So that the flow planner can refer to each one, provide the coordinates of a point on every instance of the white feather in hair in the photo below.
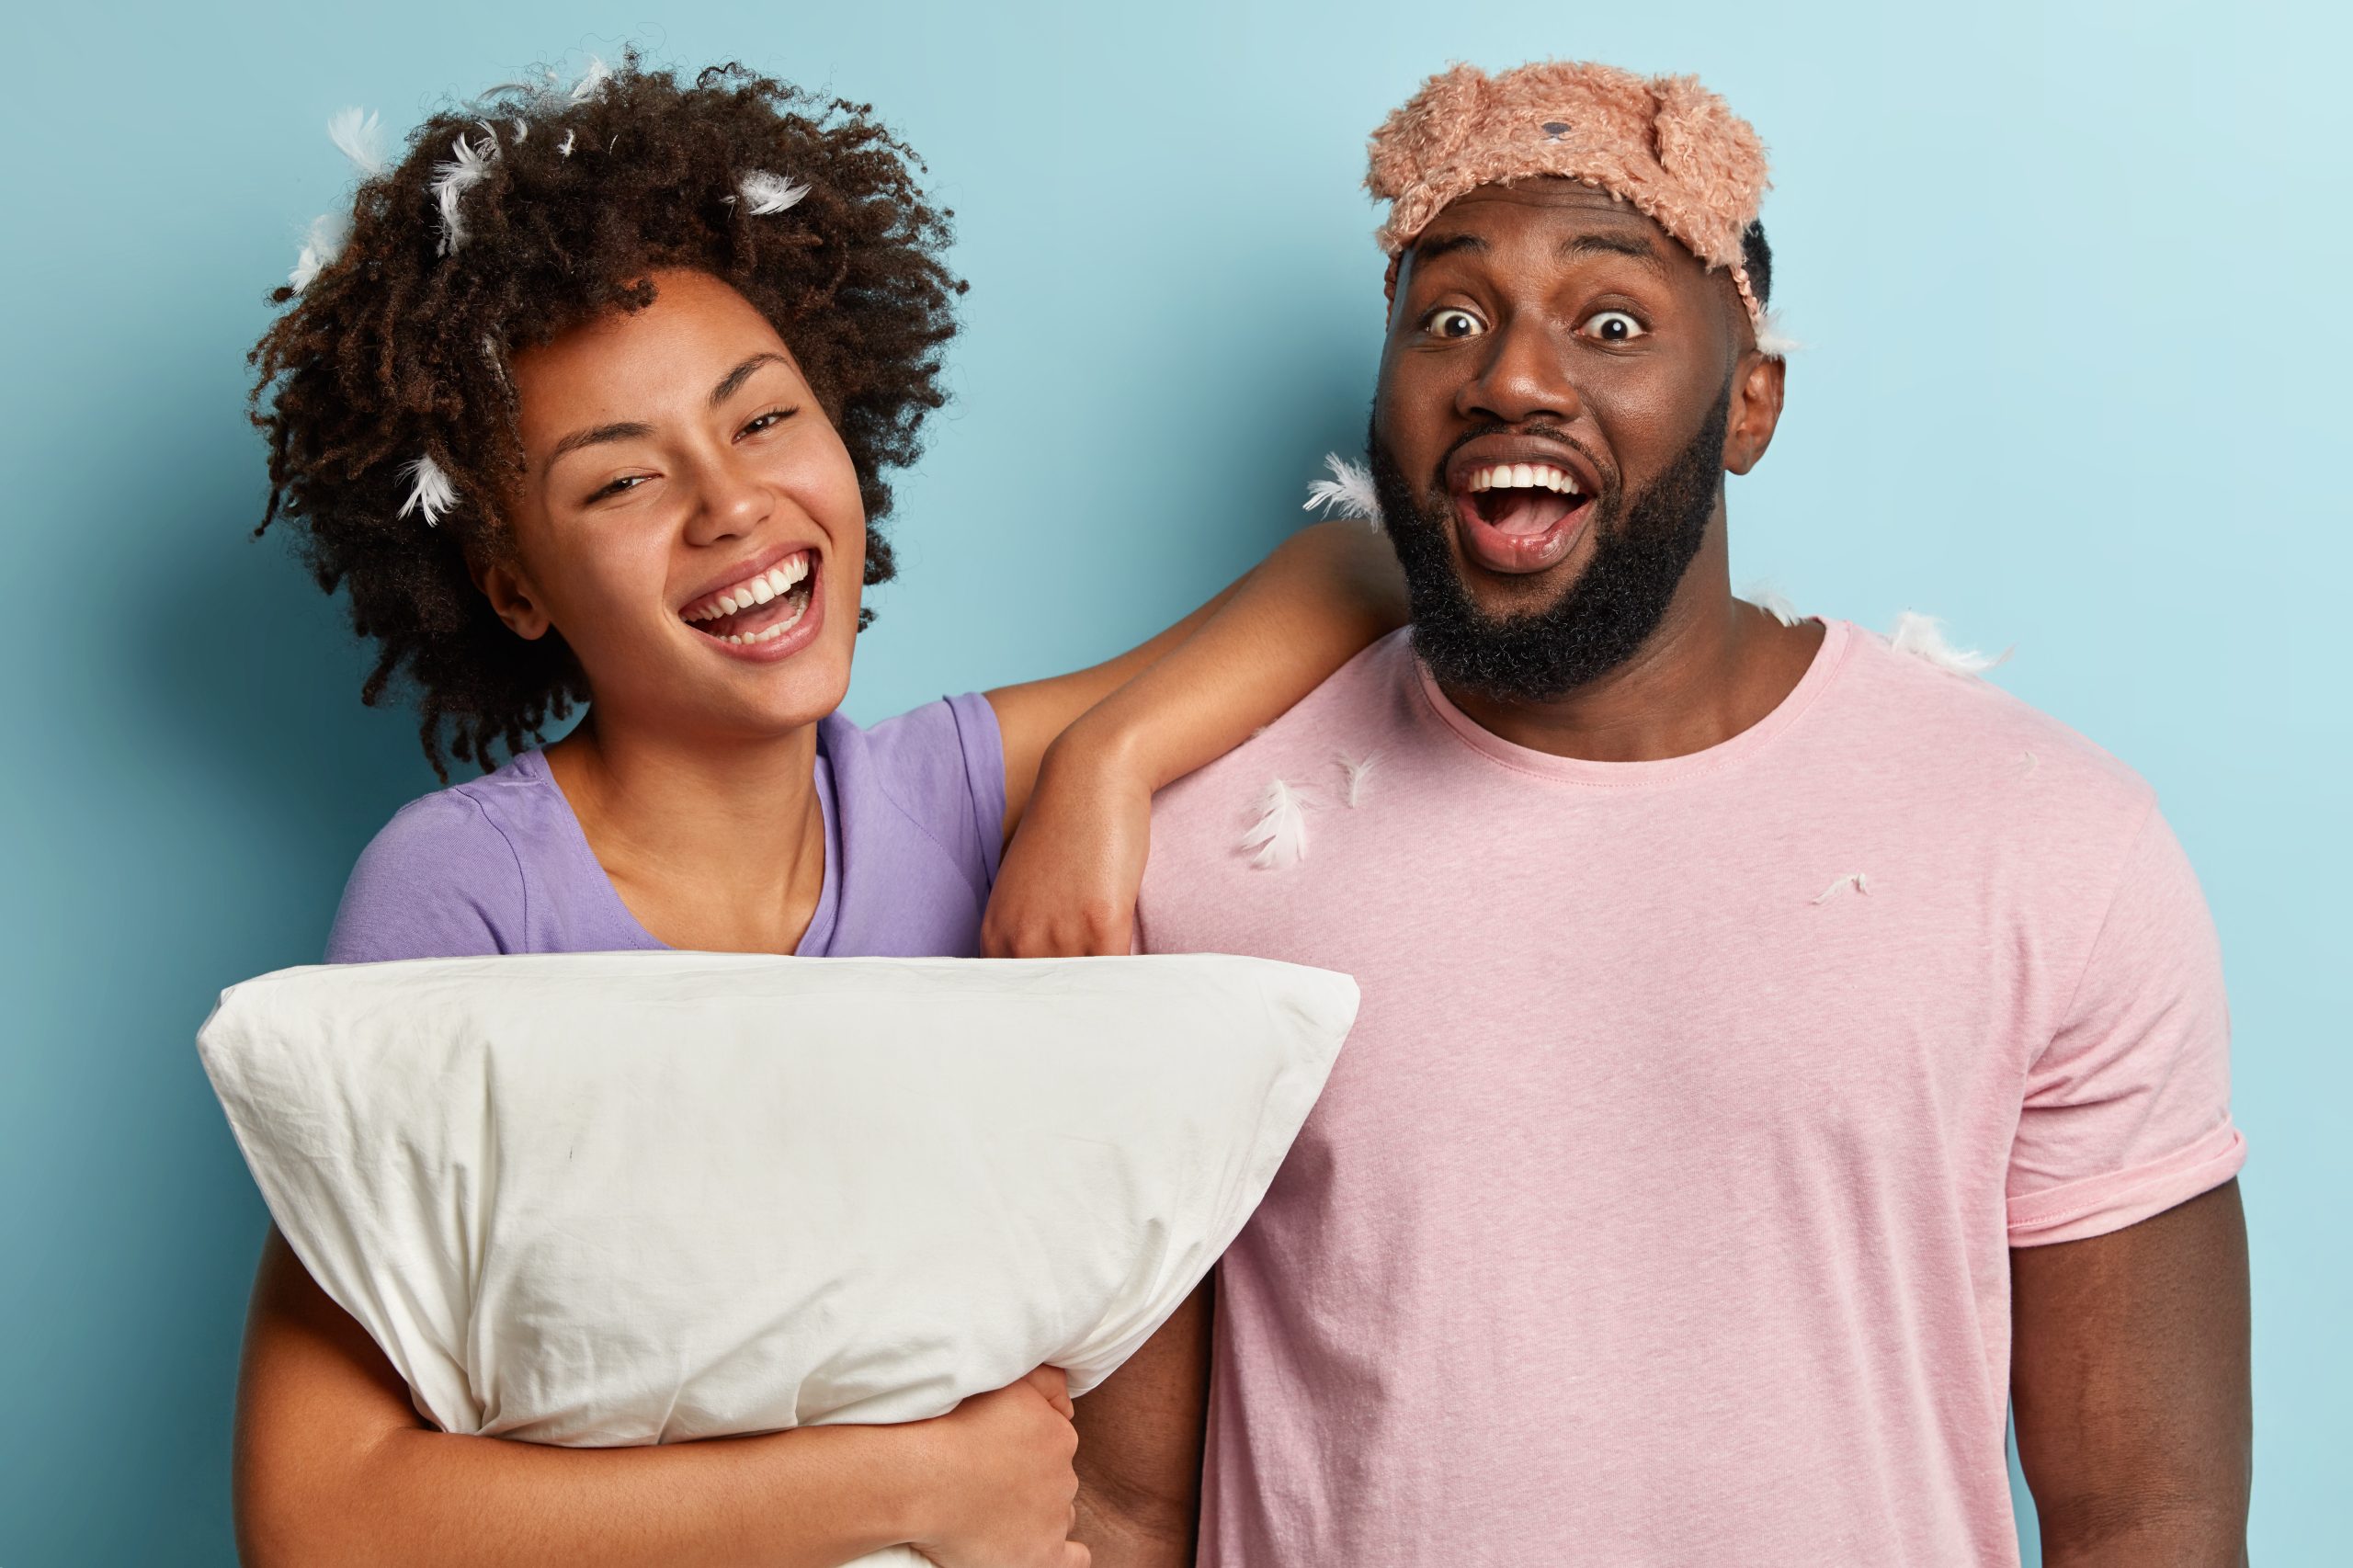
(765, 193)
(592, 81)
(329, 234)
(1355, 770)
(1772, 341)
(1347, 493)
(1279, 833)
(1922, 637)
(430, 491)
(564, 148)
(468, 167)
(359, 136)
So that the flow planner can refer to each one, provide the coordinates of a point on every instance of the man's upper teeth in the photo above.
(1525, 476)
(777, 579)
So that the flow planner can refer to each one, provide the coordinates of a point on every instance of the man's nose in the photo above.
(1524, 376)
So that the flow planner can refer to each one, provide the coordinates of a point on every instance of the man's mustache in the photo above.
(1611, 487)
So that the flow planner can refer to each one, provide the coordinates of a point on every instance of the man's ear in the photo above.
(511, 597)
(1389, 289)
(1755, 410)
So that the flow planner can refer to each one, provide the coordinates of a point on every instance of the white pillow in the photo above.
(613, 1199)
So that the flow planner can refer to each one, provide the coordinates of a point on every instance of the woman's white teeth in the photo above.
(767, 633)
(1525, 476)
(759, 590)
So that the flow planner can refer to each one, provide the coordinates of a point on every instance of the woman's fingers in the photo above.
(1054, 1384)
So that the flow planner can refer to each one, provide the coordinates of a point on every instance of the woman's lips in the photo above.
(777, 629)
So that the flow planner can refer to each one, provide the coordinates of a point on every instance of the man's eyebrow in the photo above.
(626, 431)
(1427, 249)
(732, 382)
(1636, 245)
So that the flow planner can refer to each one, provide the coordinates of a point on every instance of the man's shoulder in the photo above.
(1912, 704)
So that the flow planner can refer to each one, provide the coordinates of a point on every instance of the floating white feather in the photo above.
(1348, 492)
(329, 234)
(1772, 341)
(430, 491)
(1773, 602)
(765, 193)
(468, 167)
(1860, 881)
(1355, 770)
(1922, 637)
(359, 136)
(1279, 836)
(592, 81)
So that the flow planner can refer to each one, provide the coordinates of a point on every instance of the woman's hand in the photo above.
(1001, 1491)
(1067, 888)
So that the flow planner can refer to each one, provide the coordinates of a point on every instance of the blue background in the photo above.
(2073, 280)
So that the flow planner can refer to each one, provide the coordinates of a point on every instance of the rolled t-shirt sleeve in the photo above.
(439, 881)
(2127, 1110)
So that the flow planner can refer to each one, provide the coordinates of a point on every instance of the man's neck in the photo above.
(1714, 666)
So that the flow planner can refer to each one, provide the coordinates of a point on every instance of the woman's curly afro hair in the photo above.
(394, 351)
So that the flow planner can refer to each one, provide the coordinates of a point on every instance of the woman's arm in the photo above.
(332, 1466)
(1197, 689)
(1084, 752)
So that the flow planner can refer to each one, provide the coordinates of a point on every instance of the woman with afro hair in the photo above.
(593, 399)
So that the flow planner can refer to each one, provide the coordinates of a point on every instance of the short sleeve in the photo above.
(439, 881)
(944, 765)
(2127, 1110)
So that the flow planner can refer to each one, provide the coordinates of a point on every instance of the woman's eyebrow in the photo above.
(732, 382)
(628, 430)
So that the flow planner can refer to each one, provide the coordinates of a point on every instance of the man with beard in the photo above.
(1781, 1054)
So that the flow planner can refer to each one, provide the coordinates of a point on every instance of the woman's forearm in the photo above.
(802, 1499)
(333, 1467)
(1327, 593)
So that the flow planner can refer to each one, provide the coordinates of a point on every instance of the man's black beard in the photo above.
(1641, 550)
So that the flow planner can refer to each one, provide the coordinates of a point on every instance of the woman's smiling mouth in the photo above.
(769, 612)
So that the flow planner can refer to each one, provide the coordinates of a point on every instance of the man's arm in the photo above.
(1140, 1440)
(2130, 1389)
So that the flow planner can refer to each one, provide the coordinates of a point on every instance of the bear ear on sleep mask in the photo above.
(615, 1199)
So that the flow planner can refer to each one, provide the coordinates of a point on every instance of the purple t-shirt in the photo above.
(914, 814)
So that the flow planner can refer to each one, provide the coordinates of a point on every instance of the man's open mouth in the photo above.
(762, 607)
(1523, 500)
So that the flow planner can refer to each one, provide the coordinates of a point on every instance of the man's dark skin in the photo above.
(1518, 307)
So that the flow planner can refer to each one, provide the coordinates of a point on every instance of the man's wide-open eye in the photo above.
(1613, 326)
(1452, 322)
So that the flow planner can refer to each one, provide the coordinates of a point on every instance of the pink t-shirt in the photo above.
(1658, 1211)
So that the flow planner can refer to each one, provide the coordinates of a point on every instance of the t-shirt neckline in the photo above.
(1837, 637)
(815, 942)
